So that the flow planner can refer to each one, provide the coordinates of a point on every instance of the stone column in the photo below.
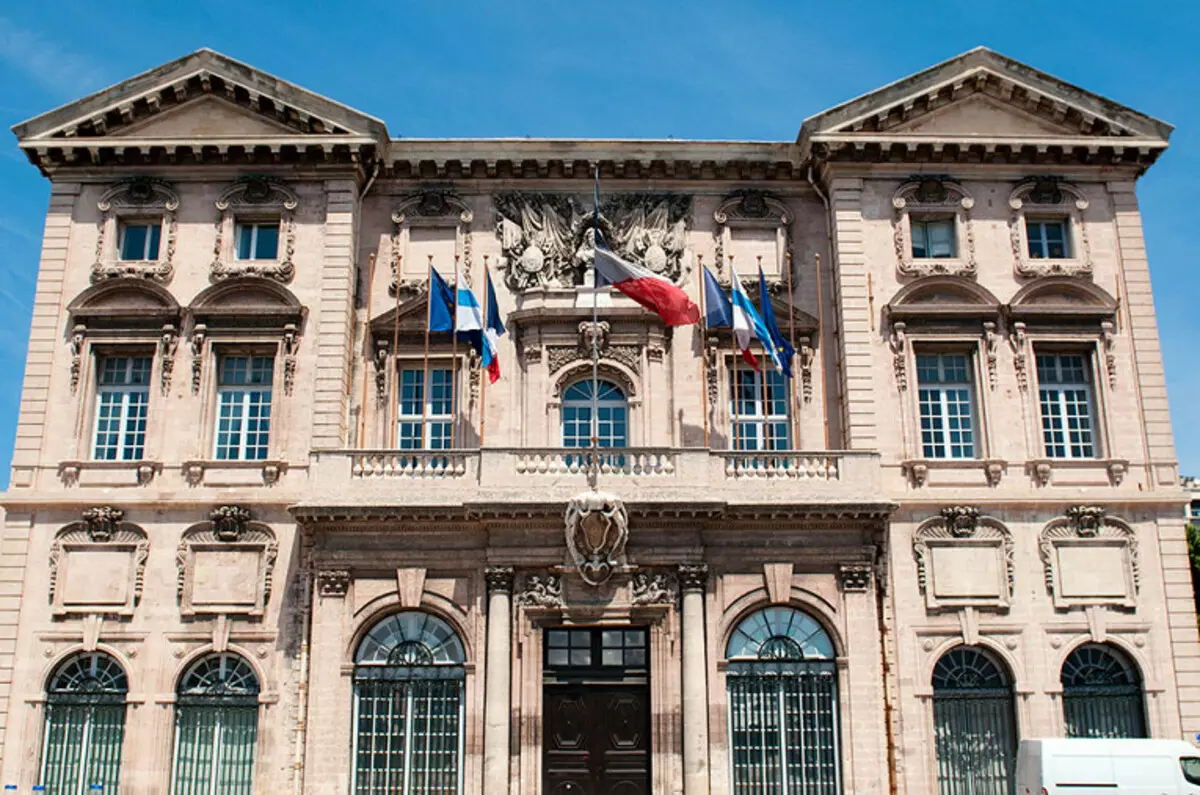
(497, 681)
(692, 581)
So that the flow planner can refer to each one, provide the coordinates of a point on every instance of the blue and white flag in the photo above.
(748, 325)
(469, 327)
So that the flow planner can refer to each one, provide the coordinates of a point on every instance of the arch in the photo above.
(1058, 296)
(219, 674)
(943, 297)
(816, 606)
(88, 672)
(247, 300)
(1102, 693)
(125, 302)
(779, 632)
(216, 725)
(385, 605)
(974, 721)
(84, 722)
(620, 374)
(410, 638)
(965, 667)
(194, 657)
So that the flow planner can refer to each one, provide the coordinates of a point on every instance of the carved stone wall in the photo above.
(98, 565)
(225, 565)
(252, 199)
(964, 559)
(1090, 559)
(144, 200)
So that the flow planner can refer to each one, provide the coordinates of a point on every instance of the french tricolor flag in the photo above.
(470, 328)
(652, 291)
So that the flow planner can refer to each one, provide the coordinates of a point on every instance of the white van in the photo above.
(1105, 767)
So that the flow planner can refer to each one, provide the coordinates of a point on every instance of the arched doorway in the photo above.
(1102, 694)
(85, 725)
(216, 727)
(974, 727)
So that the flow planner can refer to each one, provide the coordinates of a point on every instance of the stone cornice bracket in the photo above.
(102, 522)
(541, 590)
(855, 577)
(807, 356)
(933, 195)
(429, 208)
(1019, 342)
(380, 360)
(333, 583)
(136, 197)
(1053, 196)
(499, 578)
(1108, 340)
(693, 576)
(290, 343)
(168, 344)
(898, 342)
(990, 344)
(255, 195)
(78, 335)
(199, 335)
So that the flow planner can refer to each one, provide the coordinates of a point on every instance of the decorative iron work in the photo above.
(974, 728)
(85, 724)
(1102, 694)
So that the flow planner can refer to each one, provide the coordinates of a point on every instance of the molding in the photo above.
(1088, 526)
(101, 530)
(255, 195)
(964, 527)
(541, 590)
(693, 576)
(653, 588)
(333, 582)
(136, 198)
(228, 532)
(428, 208)
(1055, 197)
(927, 196)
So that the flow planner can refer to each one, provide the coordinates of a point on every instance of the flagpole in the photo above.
(733, 328)
(821, 332)
(362, 403)
(596, 324)
(425, 357)
(793, 401)
(483, 382)
(703, 345)
(395, 419)
(454, 361)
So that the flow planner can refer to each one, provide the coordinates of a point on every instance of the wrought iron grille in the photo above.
(1102, 694)
(216, 727)
(974, 731)
(85, 726)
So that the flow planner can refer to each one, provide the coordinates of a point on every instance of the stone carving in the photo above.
(959, 536)
(255, 194)
(1117, 470)
(993, 470)
(693, 576)
(199, 334)
(77, 336)
(1108, 339)
(1020, 360)
(855, 577)
(990, 339)
(109, 583)
(542, 590)
(290, 343)
(1050, 195)
(499, 578)
(381, 371)
(593, 334)
(560, 356)
(333, 582)
(226, 565)
(1089, 558)
(898, 342)
(167, 346)
(424, 208)
(547, 239)
(938, 196)
(102, 522)
(137, 197)
(229, 522)
(653, 588)
(807, 357)
(752, 209)
(597, 528)
(917, 471)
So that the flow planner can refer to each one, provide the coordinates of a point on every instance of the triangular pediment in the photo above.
(171, 102)
(982, 93)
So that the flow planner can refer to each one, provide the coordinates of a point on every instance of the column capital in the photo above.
(855, 577)
(499, 578)
(333, 582)
(693, 576)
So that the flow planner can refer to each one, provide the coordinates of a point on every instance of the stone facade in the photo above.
(897, 553)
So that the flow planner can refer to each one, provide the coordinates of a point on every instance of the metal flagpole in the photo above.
(793, 400)
(396, 359)
(820, 332)
(483, 379)
(736, 414)
(425, 358)
(703, 324)
(454, 361)
(362, 403)
(596, 326)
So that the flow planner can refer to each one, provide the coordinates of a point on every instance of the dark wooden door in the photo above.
(597, 740)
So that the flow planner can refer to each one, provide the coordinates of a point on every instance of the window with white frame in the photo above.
(426, 416)
(932, 238)
(257, 240)
(1047, 238)
(139, 240)
(611, 424)
(760, 409)
(244, 407)
(945, 398)
(122, 400)
(1065, 400)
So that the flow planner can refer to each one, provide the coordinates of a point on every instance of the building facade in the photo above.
(246, 550)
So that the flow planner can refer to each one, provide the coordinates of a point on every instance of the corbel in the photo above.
(1020, 362)
(290, 343)
(199, 334)
(990, 339)
(1108, 338)
(78, 334)
(168, 344)
(381, 361)
(898, 341)
(807, 356)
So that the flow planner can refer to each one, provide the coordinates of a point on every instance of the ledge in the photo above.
(234, 474)
(108, 474)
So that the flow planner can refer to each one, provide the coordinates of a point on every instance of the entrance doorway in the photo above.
(596, 720)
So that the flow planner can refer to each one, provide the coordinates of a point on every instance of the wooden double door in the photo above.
(596, 739)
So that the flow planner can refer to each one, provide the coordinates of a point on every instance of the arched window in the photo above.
(408, 707)
(216, 727)
(783, 705)
(1102, 694)
(85, 725)
(611, 424)
(974, 730)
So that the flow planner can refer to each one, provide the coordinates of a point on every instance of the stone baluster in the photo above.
(497, 681)
(692, 582)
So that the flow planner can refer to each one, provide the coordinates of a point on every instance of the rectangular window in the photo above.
(761, 419)
(933, 239)
(945, 398)
(1065, 400)
(426, 420)
(258, 240)
(122, 398)
(244, 407)
(139, 241)
(1047, 239)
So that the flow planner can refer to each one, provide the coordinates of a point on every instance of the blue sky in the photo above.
(614, 69)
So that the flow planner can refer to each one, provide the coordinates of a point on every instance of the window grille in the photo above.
(122, 401)
(1102, 694)
(244, 407)
(945, 399)
(84, 726)
(216, 727)
(1065, 400)
(974, 728)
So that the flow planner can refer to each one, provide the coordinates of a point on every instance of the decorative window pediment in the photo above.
(964, 559)
(153, 204)
(1049, 199)
(428, 211)
(754, 222)
(249, 200)
(1062, 299)
(932, 199)
(225, 565)
(1090, 559)
(98, 565)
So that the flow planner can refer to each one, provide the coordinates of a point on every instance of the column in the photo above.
(497, 703)
(692, 581)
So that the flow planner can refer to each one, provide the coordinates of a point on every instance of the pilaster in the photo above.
(335, 316)
(327, 754)
(498, 682)
(693, 580)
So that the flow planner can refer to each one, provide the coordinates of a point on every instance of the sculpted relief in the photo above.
(547, 238)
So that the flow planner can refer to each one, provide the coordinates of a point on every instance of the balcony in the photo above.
(537, 476)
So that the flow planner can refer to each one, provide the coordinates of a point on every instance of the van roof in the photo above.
(1060, 745)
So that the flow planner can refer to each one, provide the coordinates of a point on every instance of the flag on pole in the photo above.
(783, 349)
(441, 303)
(493, 330)
(470, 329)
(748, 325)
(649, 289)
(718, 312)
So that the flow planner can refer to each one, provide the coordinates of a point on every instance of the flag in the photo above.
(748, 325)
(493, 330)
(783, 349)
(441, 303)
(718, 313)
(649, 289)
(469, 328)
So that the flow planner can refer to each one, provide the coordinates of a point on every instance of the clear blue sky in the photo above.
(614, 69)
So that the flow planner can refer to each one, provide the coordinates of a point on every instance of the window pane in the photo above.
(266, 245)
(941, 238)
(920, 247)
(152, 245)
(761, 419)
(945, 406)
(133, 242)
(1064, 401)
(245, 239)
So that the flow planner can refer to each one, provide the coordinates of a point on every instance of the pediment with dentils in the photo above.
(982, 101)
(203, 101)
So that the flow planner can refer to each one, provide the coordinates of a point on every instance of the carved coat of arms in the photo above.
(597, 527)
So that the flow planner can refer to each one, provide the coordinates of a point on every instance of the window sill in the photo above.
(233, 473)
(954, 471)
(1077, 471)
(159, 270)
(937, 266)
(108, 473)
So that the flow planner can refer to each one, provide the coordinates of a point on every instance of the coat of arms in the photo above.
(597, 528)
